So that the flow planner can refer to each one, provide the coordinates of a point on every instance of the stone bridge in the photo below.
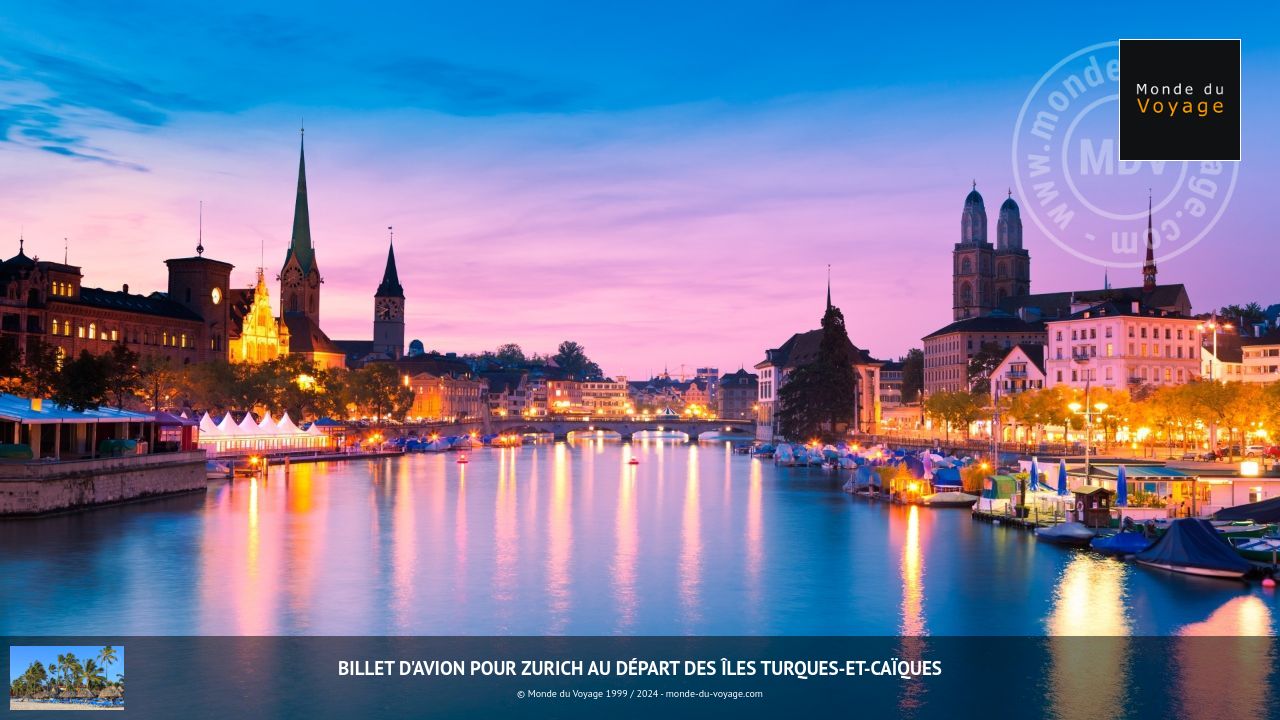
(561, 428)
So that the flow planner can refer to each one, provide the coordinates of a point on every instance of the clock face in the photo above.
(292, 276)
(385, 309)
(216, 296)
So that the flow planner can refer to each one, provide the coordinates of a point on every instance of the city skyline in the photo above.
(649, 199)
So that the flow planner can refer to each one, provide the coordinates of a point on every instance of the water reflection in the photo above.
(559, 539)
(691, 546)
(1224, 662)
(1088, 678)
(560, 542)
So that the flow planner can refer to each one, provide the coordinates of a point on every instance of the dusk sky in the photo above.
(665, 184)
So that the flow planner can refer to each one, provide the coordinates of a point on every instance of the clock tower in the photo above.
(388, 310)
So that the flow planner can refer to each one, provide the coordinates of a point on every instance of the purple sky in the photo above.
(676, 211)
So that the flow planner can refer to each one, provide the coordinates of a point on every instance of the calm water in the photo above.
(558, 539)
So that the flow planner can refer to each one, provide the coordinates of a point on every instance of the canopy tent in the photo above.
(1264, 511)
(32, 428)
(250, 436)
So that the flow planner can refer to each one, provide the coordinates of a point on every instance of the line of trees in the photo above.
(68, 673)
(1173, 415)
(121, 378)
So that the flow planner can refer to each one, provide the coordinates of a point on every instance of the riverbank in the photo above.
(47, 706)
(40, 488)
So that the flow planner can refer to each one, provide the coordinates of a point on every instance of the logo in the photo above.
(1077, 190)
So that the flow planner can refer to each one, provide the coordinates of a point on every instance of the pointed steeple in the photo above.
(1149, 267)
(390, 286)
(300, 244)
(828, 287)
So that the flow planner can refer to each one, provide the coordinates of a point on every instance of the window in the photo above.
(1180, 376)
(115, 335)
(1130, 331)
(1143, 332)
(1073, 335)
(1110, 350)
(80, 331)
(1059, 336)
(1167, 335)
(1108, 372)
(1107, 331)
(1179, 333)
(1168, 374)
(1093, 333)
(1075, 375)
(54, 327)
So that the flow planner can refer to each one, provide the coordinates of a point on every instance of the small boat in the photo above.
(1068, 533)
(462, 460)
(1121, 543)
(1241, 529)
(1263, 549)
(949, 499)
(633, 461)
(214, 470)
(1194, 547)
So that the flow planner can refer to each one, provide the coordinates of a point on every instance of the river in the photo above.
(571, 539)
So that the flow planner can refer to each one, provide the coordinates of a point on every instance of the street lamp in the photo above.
(1216, 327)
(1089, 412)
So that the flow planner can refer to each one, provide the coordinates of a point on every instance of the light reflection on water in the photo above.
(573, 539)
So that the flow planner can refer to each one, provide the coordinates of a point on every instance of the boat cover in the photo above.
(1265, 511)
(1194, 543)
(1124, 543)
(947, 477)
(865, 476)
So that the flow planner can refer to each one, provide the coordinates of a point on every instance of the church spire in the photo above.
(1149, 267)
(300, 244)
(390, 286)
(828, 287)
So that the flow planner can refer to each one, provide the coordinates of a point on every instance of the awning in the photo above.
(18, 409)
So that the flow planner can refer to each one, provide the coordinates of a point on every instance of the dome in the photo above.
(1009, 207)
(416, 348)
(973, 199)
(21, 259)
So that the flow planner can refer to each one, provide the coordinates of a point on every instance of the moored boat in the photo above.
(949, 499)
(1192, 546)
(1073, 534)
(1263, 549)
(1241, 529)
(1121, 543)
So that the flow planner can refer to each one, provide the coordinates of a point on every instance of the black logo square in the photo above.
(1179, 99)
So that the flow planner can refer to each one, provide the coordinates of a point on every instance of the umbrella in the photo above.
(1122, 488)
(1033, 478)
(1062, 477)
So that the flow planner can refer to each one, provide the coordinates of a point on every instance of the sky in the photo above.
(663, 183)
(21, 657)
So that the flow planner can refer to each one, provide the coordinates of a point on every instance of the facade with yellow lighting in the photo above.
(262, 335)
(442, 397)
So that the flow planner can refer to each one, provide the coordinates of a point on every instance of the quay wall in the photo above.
(35, 488)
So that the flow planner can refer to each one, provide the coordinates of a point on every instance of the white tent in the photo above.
(206, 424)
(267, 426)
(227, 426)
(250, 437)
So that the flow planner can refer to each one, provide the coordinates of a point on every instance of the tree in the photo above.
(158, 382)
(982, 364)
(509, 354)
(912, 375)
(82, 384)
(572, 358)
(376, 389)
(41, 369)
(953, 409)
(107, 656)
(821, 397)
(123, 378)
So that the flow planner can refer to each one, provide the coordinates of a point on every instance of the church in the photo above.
(992, 301)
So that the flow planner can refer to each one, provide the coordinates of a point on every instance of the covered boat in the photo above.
(949, 499)
(1122, 543)
(1067, 533)
(1194, 547)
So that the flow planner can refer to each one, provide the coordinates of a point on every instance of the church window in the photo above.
(184, 339)
(293, 302)
(966, 266)
(966, 294)
(93, 331)
(54, 327)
